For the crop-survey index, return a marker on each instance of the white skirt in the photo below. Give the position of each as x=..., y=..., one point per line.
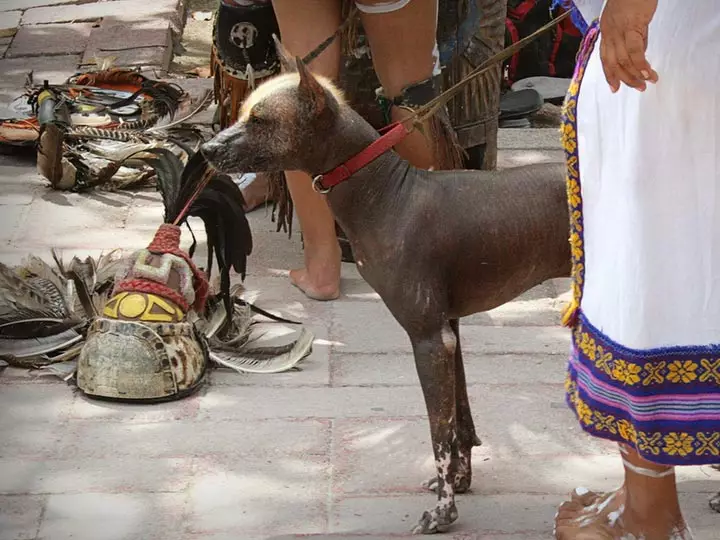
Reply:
x=650, y=168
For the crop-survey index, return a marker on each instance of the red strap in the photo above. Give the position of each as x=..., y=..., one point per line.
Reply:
x=395, y=133
x=520, y=12
x=515, y=59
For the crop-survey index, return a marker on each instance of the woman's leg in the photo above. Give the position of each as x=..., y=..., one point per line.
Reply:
x=402, y=37
x=304, y=24
x=646, y=506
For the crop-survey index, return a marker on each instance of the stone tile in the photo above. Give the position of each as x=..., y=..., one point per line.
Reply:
x=23, y=405
x=529, y=139
x=20, y=517
x=122, y=516
x=375, y=456
x=115, y=35
x=84, y=408
x=540, y=312
x=11, y=219
x=113, y=473
x=279, y=496
x=20, y=184
x=120, y=10
x=399, y=369
x=516, y=158
x=240, y=437
x=9, y=22
x=478, y=514
x=55, y=70
x=4, y=45
x=158, y=57
x=226, y=402
x=368, y=327
x=33, y=440
x=50, y=40
x=7, y=5
x=68, y=221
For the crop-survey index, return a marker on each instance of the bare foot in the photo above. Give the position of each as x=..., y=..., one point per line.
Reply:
x=591, y=516
x=319, y=281
x=606, y=516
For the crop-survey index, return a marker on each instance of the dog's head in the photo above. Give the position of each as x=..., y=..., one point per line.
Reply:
x=284, y=124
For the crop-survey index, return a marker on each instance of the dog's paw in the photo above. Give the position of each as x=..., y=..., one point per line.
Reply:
x=436, y=520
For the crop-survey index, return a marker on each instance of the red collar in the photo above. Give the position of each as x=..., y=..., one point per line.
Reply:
x=395, y=133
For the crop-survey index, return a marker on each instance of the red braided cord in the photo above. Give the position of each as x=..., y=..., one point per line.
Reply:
x=167, y=241
x=152, y=287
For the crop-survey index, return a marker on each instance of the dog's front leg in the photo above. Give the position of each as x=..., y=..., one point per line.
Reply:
x=435, y=363
x=466, y=436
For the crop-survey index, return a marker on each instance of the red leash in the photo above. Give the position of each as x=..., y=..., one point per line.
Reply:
x=396, y=132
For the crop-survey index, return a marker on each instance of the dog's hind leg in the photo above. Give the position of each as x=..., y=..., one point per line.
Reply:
x=466, y=436
x=435, y=363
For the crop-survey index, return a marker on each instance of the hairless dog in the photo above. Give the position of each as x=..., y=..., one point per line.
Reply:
x=435, y=245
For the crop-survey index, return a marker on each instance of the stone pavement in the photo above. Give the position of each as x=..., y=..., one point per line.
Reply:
x=337, y=450
x=55, y=38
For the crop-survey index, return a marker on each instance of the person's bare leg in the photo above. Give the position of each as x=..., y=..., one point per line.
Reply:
x=303, y=26
x=402, y=43
x=646, y=506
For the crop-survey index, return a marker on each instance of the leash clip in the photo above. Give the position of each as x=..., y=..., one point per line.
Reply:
x=317, y=185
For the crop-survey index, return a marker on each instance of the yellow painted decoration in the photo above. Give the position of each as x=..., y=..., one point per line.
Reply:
x=111, y=308
x=132, y=306
x=171, y=314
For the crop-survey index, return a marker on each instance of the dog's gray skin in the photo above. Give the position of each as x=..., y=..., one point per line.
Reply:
x=435, y=245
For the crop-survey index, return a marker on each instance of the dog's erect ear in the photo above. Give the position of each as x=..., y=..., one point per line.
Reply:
x=287, y=62
x=310, y=87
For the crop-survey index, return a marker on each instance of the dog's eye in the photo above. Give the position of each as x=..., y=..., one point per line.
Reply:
x=260, y=120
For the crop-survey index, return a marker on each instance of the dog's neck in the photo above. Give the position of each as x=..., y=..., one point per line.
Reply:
x=373, y=188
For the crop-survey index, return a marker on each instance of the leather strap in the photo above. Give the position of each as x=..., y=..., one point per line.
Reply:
x=396, y=132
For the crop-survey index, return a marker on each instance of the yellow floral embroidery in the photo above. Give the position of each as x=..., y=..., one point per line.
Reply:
x=678, y=444
x=576, y=246
x=627, y=431
x=626, y=372
x=587, y=345
x=649, y=442
x=605, y=422
x=682, y=371
x=569, y=137
x=712, y=370
x=709, y=444
x=603, y=360
x=654, y=373
x=573, y=189
x=584, y=412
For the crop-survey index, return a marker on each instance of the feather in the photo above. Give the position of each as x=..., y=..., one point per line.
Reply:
x=266, y=359
x=20, y=299
x=63, y=370
x=30, y=351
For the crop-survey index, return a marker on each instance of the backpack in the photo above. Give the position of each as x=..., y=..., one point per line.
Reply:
x=550, y=55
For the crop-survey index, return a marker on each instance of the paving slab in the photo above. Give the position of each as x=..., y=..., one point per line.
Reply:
x=113, y=516
x=241, y=437
x=399, y=369
x=54, y=69
x=20, y=517
x=369, y=327
x=113, y=474
x=531, y=139
x=8, y=5
x=50, y=40
x=278, y=496
x=9, y=22
x=129, y=11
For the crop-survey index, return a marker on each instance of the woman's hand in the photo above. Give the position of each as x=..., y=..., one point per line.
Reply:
x=624, y=31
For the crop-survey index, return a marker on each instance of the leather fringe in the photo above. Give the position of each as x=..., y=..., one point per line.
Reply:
x=449, y=154
x=230, y=93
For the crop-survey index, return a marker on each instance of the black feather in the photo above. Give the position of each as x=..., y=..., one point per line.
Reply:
x=220, y=205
